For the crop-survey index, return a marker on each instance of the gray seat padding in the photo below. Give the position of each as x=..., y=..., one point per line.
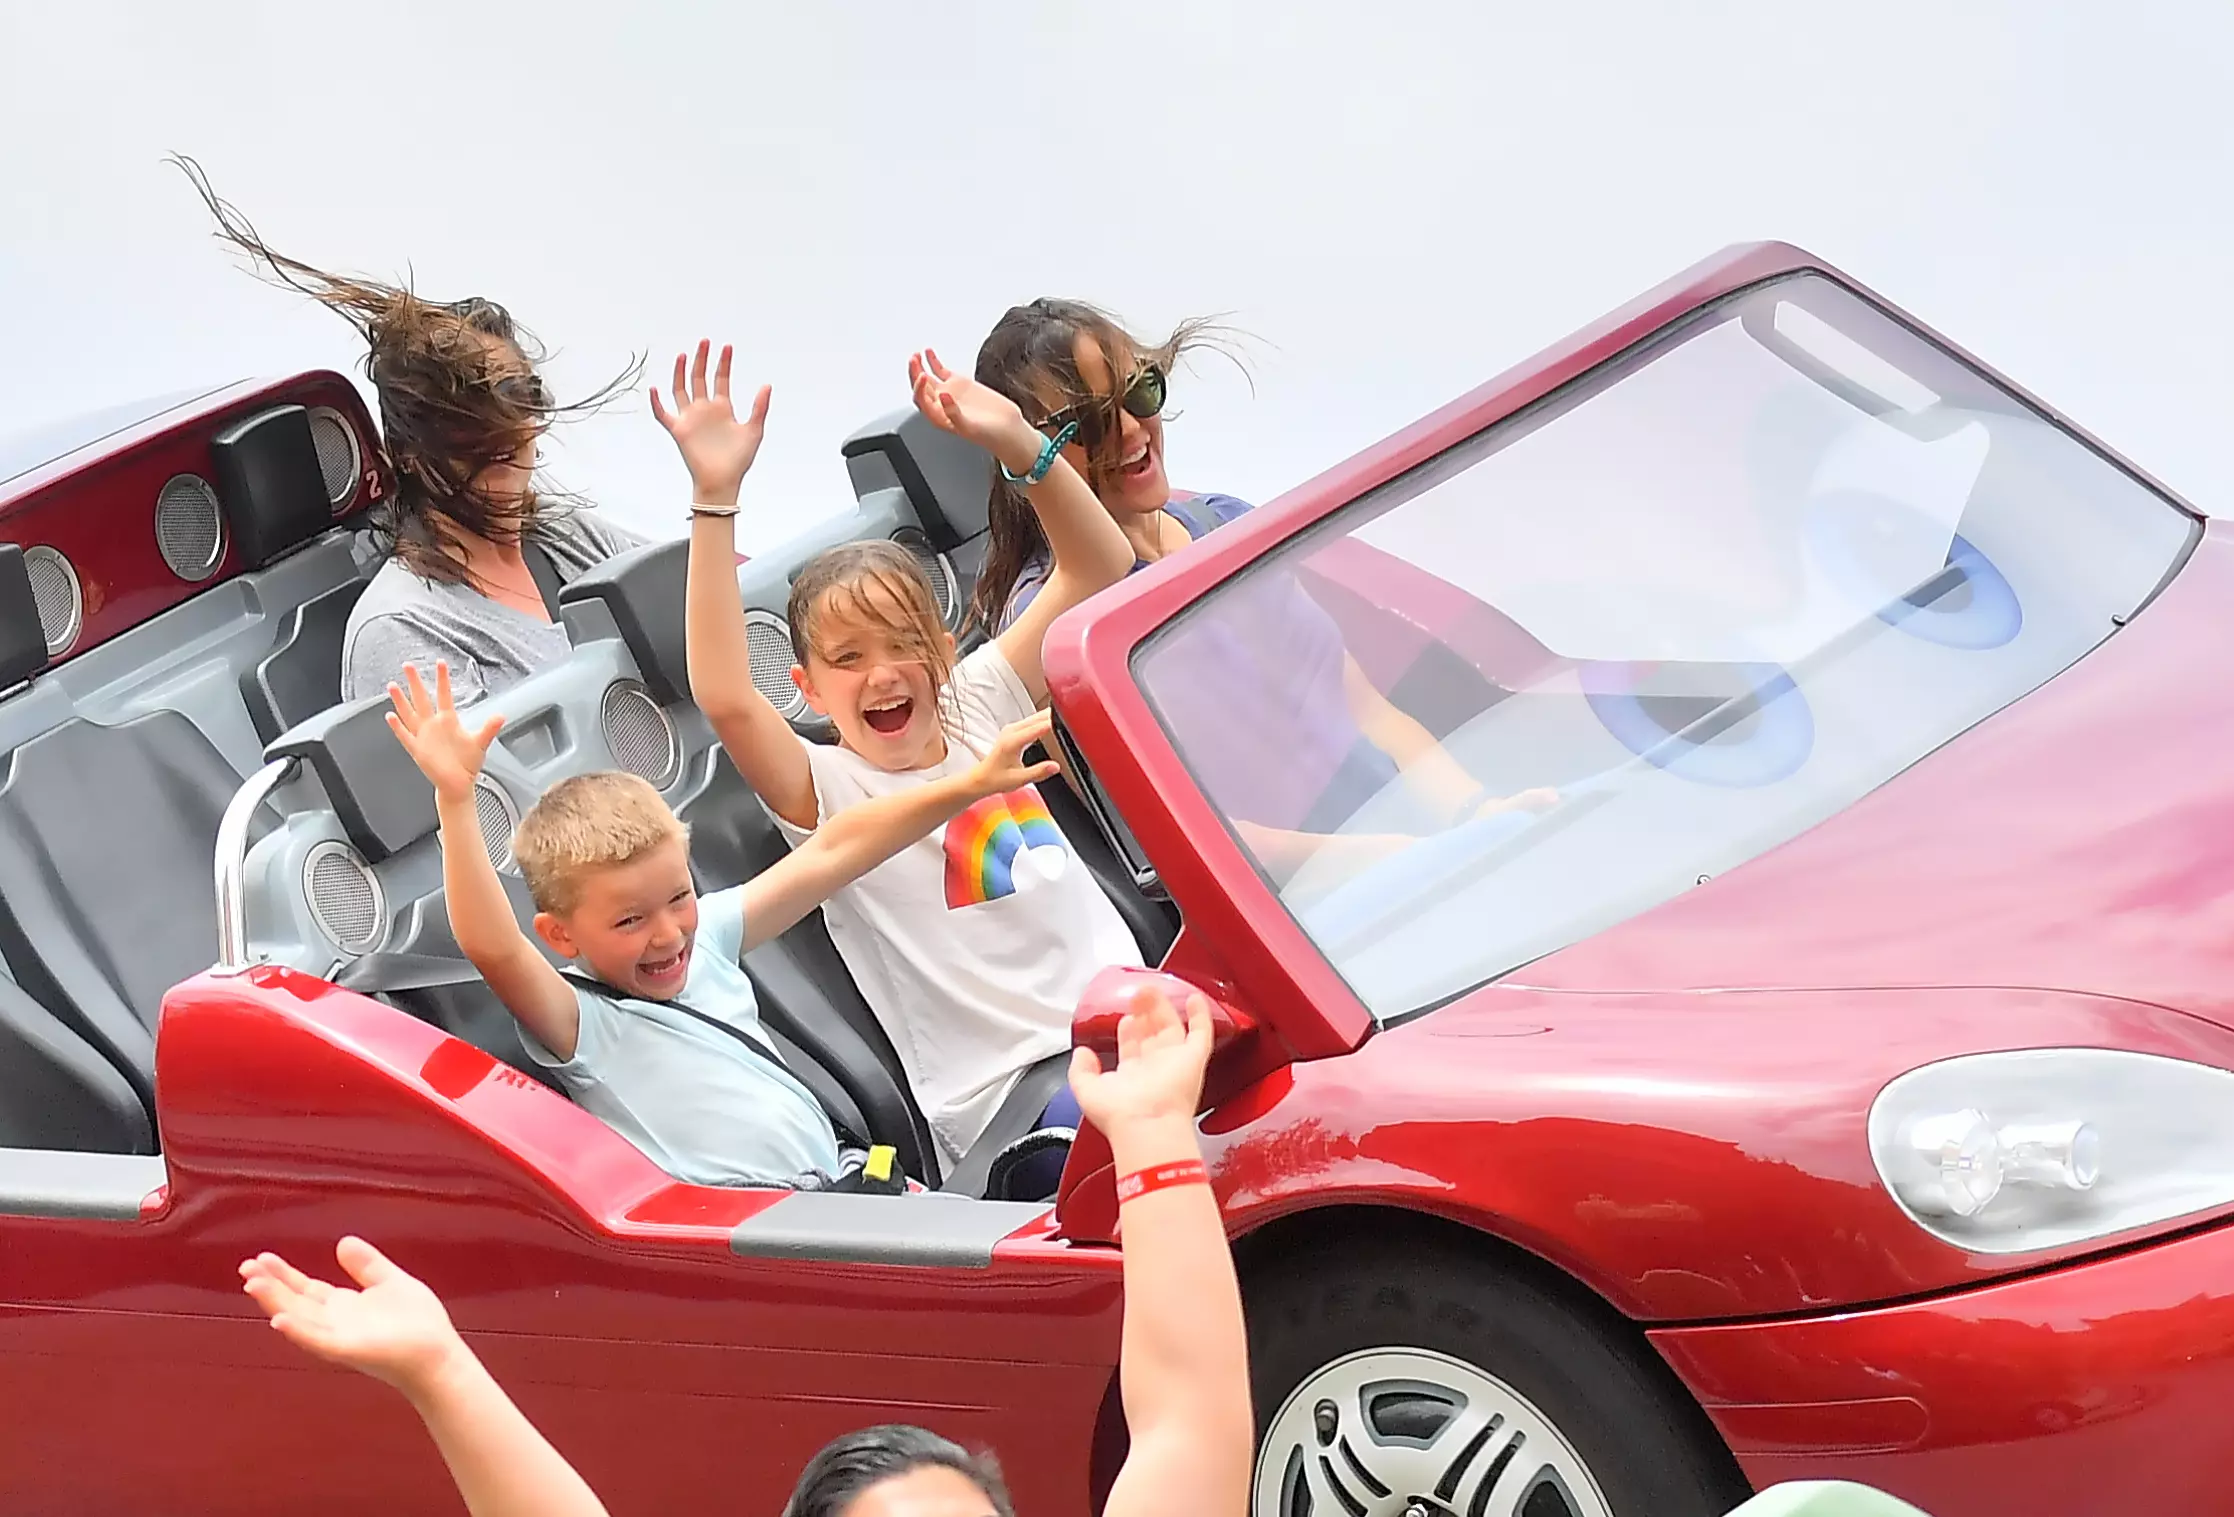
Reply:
x=301, y=676
x=806, y=993
x=948, y=481
x=57, y=1092
x=106, y=840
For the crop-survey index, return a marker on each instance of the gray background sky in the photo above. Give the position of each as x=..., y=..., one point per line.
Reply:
x=1395, y=200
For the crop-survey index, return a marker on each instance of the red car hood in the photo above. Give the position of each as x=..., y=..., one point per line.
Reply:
x=2081, y=840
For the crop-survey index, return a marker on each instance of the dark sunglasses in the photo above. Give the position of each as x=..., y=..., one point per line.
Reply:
x=524, y=390
x=1143, y=398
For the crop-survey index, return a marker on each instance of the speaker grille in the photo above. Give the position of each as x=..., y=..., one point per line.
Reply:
x=339, y=457
x=937, y=568
x=492, y=808
x=189, y=527
x=641, y=738
x=54, y=589
x=768, y=640
x=345, y=897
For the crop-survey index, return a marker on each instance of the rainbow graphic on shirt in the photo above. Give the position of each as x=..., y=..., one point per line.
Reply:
x=983, y=842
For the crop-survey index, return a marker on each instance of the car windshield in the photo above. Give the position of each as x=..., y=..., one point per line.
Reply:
x=1642, y=632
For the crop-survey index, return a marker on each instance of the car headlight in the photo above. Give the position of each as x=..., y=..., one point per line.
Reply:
x=2007, y=1153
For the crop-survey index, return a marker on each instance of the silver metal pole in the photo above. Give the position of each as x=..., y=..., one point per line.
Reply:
x=232, y=863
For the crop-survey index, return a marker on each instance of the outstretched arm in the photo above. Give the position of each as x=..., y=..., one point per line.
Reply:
x=1282, y=853
x=718, y=449
x=1185, y=1370
x=396, y=1331
x=854, y=841
x=1087, y=548
x=480, y=913
x=1424, y=762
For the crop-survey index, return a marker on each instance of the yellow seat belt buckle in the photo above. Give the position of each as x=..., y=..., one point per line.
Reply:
x=878, y=1166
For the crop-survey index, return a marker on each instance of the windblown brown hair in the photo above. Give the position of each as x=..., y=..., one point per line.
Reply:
x=457, y=389
x=1031, y=356
x=847, y=577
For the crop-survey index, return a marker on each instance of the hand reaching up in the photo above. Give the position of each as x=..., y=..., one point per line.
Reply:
x=1158, y=1079
x=394, y=1329
x=1003, y=769
x=717, y=448
x=447, y=753
x=976, y=413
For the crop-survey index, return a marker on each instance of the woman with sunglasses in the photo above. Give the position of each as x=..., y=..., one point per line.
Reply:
x=475, y=551
x=1315, y=739
x=1067, y=363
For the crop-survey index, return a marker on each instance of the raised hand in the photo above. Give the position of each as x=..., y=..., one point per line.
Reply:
x=1158, y=1078
x=394, y=1329
x=717, y=448
x=959, y=404
x=1004, y=769
x=447, y=753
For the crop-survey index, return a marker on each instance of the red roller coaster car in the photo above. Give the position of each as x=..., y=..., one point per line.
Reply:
x=1833, y=1082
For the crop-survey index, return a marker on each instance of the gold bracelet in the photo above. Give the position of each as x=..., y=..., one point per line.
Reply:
x=699, y=510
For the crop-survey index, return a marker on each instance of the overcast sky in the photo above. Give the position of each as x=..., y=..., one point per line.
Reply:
x=1395, y=200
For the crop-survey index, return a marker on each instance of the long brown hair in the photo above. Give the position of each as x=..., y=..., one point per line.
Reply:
x=458, y=392
x=1031, y=356
x=848, y=578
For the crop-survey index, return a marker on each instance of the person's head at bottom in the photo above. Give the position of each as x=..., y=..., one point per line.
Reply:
x=899, y=1471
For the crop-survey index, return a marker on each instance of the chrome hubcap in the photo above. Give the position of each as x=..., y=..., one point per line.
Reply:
x=1404, y=1432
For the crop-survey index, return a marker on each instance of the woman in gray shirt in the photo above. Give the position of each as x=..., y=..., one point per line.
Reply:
x=462, y=411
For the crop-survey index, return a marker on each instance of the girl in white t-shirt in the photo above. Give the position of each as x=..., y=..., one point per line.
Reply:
x=972, y=946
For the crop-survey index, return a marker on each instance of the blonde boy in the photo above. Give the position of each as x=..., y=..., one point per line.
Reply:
x=666, y=1045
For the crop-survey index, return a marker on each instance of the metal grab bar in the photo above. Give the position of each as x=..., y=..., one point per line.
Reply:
x=232, y=863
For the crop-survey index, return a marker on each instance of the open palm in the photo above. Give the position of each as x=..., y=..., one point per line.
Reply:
x=393, y=1329
x=448, y=753
x=1160, y=1062
x=959, y=404
x=717, y=448
x=1004, y=767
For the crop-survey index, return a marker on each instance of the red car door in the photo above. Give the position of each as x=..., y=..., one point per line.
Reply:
x=683, y=1345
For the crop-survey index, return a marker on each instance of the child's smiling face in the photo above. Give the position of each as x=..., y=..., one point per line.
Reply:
x=632, y=924
x=868, y=671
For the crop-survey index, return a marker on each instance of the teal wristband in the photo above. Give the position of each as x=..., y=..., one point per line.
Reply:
x=1048, y=450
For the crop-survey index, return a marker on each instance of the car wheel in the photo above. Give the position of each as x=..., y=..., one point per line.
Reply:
x=1425, y=1382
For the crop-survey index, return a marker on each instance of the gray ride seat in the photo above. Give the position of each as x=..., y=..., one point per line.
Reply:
x=105, y=844
x=115, y=768
x=57, y=1090
x=301, y=676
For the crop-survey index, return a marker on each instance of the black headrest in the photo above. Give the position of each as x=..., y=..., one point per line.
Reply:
x=643, y=589
x=23, y=642
x=268, y=477
x=381, y=799
x=949, y=482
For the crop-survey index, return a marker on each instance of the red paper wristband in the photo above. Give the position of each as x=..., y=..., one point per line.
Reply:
x=1161, y=1177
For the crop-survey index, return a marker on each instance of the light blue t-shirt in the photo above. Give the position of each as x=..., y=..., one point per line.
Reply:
x=699, y=1103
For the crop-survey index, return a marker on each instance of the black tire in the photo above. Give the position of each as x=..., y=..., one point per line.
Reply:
x=1644, y=1444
